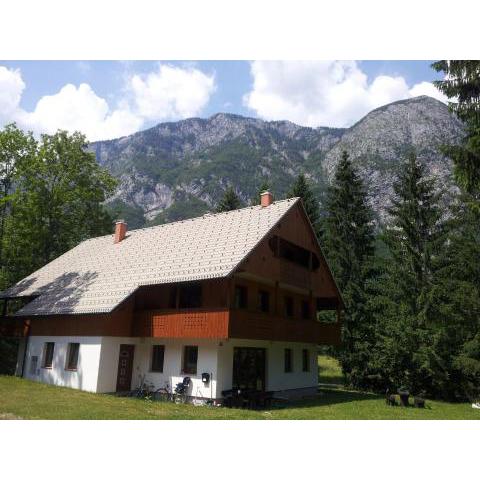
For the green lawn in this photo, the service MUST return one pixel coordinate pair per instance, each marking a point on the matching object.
(21, 398)
(329, 371)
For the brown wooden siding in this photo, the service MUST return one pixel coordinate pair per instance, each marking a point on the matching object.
(258, 326)
(116, 324)
(195, 323)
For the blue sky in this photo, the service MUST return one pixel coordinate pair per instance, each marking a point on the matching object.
(111, 99)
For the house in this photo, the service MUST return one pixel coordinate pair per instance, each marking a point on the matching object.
(233, 295)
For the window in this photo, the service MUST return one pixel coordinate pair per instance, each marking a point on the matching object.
(241, 298)
(263, 301)
(33, 365)
(288, 360)
(72, 356)
(48, 354)
(305, 309)
(191, 296)
(288, 302)
(190, 357)
(305, 360)
(294, 253)
(158, 354)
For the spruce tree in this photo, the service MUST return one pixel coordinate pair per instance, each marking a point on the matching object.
(264, 186)
(348, 241)
(415, 236)
(302, 189)
(229, 201)
(462, 86)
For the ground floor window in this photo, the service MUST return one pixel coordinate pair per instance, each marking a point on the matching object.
(72, 356)
(190, 358)
(48, 350)
(305, 360)
(33, 365)
(288, 360)
(158, 354)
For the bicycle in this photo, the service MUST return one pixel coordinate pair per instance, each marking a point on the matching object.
(144, 389)
(164, 393)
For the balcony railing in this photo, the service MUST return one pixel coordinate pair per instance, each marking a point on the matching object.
(191, 323)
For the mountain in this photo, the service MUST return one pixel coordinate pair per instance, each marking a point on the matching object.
(180, 169)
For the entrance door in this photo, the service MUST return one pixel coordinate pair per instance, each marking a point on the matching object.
(249, 368)
(125, 367)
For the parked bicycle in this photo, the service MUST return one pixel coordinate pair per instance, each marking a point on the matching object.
(144, 389)
(164, 393)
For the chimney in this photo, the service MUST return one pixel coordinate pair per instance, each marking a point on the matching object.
(266, 199)
(120, 231)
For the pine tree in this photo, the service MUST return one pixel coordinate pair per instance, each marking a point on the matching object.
(229, 201)
(302, 189)
(462, 85)
(348, 241)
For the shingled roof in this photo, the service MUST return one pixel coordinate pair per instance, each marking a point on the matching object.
(97, 275)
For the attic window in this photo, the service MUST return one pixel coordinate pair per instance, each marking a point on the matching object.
(294, 253)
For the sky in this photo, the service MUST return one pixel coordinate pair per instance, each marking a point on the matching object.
(110, 99)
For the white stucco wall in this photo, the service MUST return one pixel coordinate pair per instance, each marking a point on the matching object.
(85, 378)
(172, 365)
(98, 364)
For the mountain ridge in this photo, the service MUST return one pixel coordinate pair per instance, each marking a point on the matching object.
(177, 169)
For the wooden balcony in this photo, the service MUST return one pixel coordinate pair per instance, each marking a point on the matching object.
(192, 323)
(244, 324)
(223, 323)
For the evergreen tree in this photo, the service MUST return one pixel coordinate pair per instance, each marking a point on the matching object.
(461, 278)
(229, 201)
(302, 189)
(265, 186)
(462, 85)
(348, 241)
(411, 339)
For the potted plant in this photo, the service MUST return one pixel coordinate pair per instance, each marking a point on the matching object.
(404, 394)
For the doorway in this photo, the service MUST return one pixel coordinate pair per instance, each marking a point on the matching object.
(125, 368)
(249, 366)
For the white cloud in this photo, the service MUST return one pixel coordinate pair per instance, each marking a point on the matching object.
(327, 93)
(427, 88)
(169, 93)
(80, 109)
(11, 89)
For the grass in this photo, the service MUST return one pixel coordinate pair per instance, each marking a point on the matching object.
(20, 398)
(329, 371)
